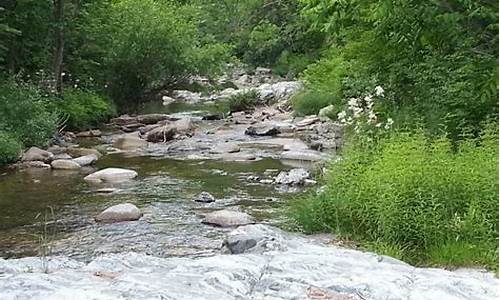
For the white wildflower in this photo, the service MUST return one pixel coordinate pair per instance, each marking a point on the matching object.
(378, 125)
(389, 123)
(379, 91)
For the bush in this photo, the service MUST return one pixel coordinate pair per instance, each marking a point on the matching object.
(243, 101)
(82, 109)
(10, 148)
(23, 114)
(291, 64)
(311, 102)
(431, 201)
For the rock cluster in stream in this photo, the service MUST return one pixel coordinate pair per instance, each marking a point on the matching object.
(267, 264)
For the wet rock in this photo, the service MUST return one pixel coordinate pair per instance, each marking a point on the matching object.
(308, 121)
(167, 100)
(293, 177)
(124, 120)
(161, 134)
(149, 119)
(119, 213)
(33, 164)
(86, 160)
(65, 164)
(112, 175)
(37, 154)
(302, 155)
(263, 130)
(227, 218)
(132, 127)
(205, 197)
(184, 126)
(130, 142)
(326, 112)
(89, 133)
(77, 152)
(225, 148)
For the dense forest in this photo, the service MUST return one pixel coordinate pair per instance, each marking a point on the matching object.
(414, 83)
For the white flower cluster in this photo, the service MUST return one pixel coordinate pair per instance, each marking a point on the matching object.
(360, 110)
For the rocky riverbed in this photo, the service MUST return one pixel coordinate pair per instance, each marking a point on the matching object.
(140, 209)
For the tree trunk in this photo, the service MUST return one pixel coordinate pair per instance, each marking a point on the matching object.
(59, 44)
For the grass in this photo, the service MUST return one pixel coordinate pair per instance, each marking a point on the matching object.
(311, 102)
(425, 200)
(243, 101)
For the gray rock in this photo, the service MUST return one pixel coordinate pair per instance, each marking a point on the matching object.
(186, 96)
(326, 112)
(308, 121)
(130, 142)
(303, 155)
(293, 177)
(89, 133)
(124, 120)
(37, 154)
(263, 130)
(161, 134)
(65, 164)
(111, 175)
(225, 148)
(33, 164)
(227, 218)
(62, 156)
(149, 119)
(77, 152)
(119, 213)
(280, 266)
(205, 197)
(86, 160)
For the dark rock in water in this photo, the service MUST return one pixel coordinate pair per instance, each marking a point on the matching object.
(211, 117)
(262, 131)
(240, 244)
(227, 218)
(161, 134)
(205, 197)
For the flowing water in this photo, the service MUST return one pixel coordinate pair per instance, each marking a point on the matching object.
(58, 206)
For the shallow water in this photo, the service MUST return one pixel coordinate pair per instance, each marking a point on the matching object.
(64, 204)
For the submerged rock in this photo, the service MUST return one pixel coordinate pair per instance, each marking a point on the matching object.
(111, 175)
(227, 218)
(119, 213)
(65, 164)
(272, 265)
(205, 197)
(37, 154)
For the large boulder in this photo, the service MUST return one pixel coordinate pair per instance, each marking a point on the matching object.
(65, 164)
(124, 120)
(111, 175)
(161, 134)
(130, 142)
(86, 160)
(227, 218)
(184, 126)
(119, 213)
(149, 119)
(37, 154)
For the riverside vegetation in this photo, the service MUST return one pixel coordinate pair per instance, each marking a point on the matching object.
(417, 177)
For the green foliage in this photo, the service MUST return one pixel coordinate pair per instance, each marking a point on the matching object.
(290, 64)
(440, 62)
(265, 44)
(243, 101)
(419, 196)
(82, 109)
(311, 102)
(23, 114)
(10, 148)
(144, 45)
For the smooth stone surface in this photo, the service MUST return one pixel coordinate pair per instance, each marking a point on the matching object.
(34, 164)
(308, 121)
(302, 155)
(62, 156)
(119, 213)
(227, 218)
(326, 112)
(280, 266)
(130, 142)
(225, 148)
(86, 160)
(111, 175)
(77, 152)
(37, 154)
(161, 134)
(65, 164)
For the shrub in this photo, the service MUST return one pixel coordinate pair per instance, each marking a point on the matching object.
(415, 196)
(24, 115)
(82, 109)
(311, 102)
(291, 64)
(10, 148)
(243, 101)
